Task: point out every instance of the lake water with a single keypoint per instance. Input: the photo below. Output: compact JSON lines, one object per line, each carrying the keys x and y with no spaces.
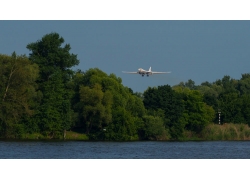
{"x":124,"y":150}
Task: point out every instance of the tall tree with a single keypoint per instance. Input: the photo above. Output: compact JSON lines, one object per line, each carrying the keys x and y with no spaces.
{"x":55,"y":62}
{"x":17,"y":88}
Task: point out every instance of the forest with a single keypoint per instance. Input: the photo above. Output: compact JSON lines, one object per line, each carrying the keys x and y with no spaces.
{"x":43,"y":98}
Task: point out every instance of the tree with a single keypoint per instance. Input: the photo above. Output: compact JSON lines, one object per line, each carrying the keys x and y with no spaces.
{"x":245,"y":109}
{"x":190,"y":84}
{"x":244,"y":84}
{"x":154,"y":128}
{"x":170,"y":102}
{"x":106,"y":104}
{"x":197,"y":115}
{"x":96,"y":108}
{"x":211,"y":93}
{"x":17,"y":90}
{"x":54,"y":61}
{"x":231,"y":107}
{"x":229,"y":85}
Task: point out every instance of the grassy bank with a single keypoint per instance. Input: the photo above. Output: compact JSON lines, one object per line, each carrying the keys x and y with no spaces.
{"x":215,"y":132}
{"x":226,"y":132}
{"x":70,"y":135}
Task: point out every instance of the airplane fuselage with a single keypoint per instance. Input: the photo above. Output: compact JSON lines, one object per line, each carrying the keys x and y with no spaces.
{"x":143,"y":72}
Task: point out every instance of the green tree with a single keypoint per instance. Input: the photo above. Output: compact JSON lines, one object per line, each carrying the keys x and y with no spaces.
{"x":17,"y":90}
{"x":231,"y":105}
{"x":96,"y":108}
{"x":244,"y":84}
{"x":54,"y":61}
{"x":245,"y":108}
{"x":190,"y":84}
{"x":211,"y":93}
{"x":154,"y":128}
{"x":197,"y":115}
{"x":229,"y":85}
{"x":170,"y":102}
{"x":106,"y":109}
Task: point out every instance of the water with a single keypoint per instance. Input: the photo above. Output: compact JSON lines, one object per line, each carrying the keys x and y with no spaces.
{"x":124,"y":150}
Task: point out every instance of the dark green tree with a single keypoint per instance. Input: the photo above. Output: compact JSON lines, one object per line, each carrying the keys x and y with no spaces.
{"x":231,"y":107}
{"x":197,"y":115}
{"x":245,"y":109}
{"x":55,"y":63}
{"x":190,"y":84}
{"x":163,"y":97}
{"x":244,"y":84}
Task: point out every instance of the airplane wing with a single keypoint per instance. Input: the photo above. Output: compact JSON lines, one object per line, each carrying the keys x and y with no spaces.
{"x":130,"y":72}
{"x":154,"y":72}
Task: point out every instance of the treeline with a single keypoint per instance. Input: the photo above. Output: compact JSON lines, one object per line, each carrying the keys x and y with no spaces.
{"x":41,"y":94}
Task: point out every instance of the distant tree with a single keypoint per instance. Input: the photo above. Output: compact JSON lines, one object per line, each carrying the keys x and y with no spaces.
{"x":244,"y":84}
{"x":245,"y":76}
{"x":190,"y":84}
{"x":206,"y":83}
{"x":229,"y":85}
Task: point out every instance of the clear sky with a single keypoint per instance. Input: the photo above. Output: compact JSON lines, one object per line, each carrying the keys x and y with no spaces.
{"x":197,"y":50}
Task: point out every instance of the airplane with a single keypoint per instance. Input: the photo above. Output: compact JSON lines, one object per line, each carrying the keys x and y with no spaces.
{"x":143,"y":72}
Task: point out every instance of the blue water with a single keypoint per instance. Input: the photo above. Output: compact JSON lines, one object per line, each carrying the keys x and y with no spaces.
{"x":124,"y":150}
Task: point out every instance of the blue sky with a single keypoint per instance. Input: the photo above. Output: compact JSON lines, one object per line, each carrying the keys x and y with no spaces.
{"x":197,"y":50}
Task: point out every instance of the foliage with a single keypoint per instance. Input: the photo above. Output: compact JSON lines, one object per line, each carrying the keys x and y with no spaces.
{"x":106,"y":109}
{"x":53,"y":112}
{"x":196,"y":114}
{"x":154,"y":128}
{"x":17,"y":88}
{"x":169,"y":101}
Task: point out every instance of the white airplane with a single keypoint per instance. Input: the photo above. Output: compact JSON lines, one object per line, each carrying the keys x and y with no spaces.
{"x":144,"y":72}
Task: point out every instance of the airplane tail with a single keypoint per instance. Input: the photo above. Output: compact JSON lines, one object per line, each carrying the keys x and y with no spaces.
{"x":149,"y":69}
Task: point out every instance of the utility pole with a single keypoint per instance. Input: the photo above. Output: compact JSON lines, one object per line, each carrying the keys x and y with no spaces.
{"x":219,"y":112}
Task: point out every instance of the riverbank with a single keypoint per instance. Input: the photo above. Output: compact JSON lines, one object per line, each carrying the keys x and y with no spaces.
{"x":213,"y":132}
{"x":224,"y":132}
